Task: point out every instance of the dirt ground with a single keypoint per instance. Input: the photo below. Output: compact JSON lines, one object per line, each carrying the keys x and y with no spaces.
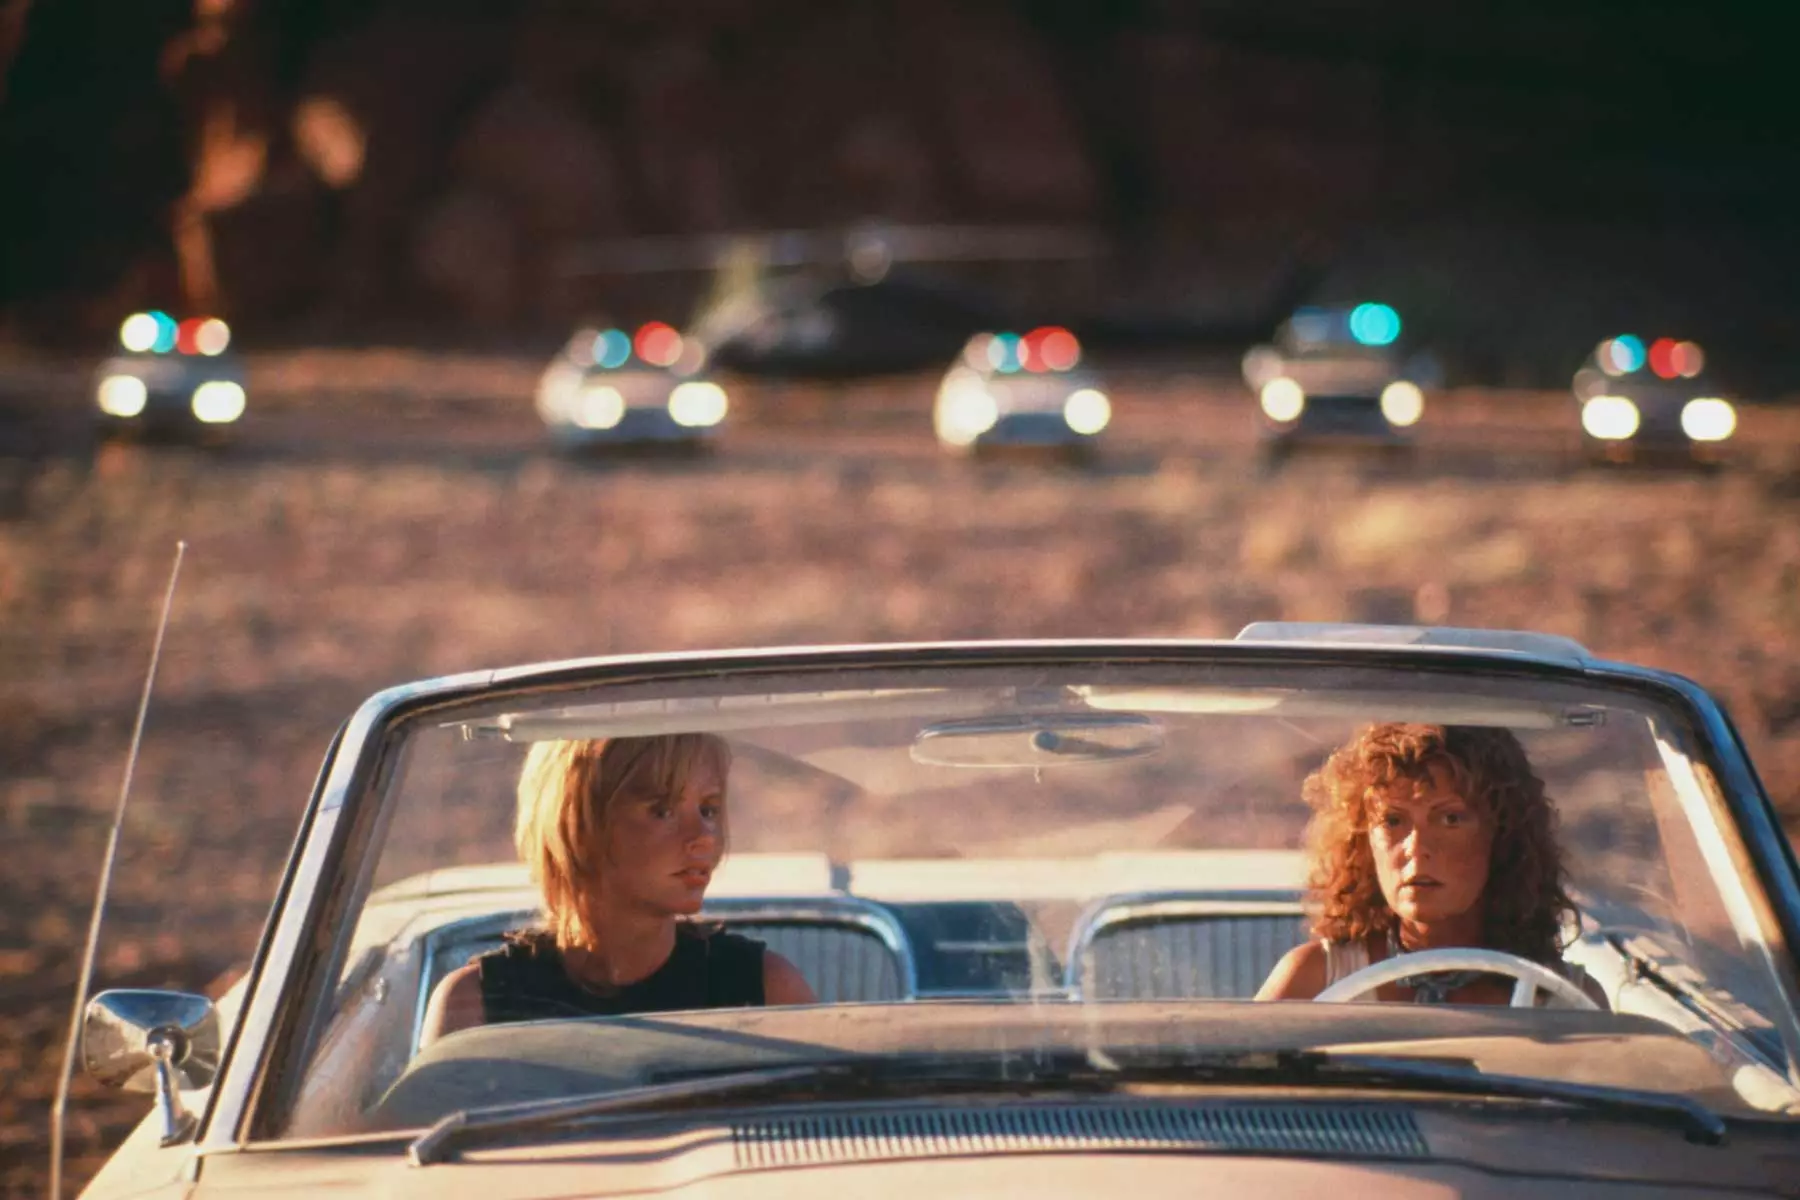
{"x":330,"y":557}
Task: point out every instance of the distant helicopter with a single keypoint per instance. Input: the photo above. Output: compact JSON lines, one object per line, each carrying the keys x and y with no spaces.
{"x":870,"y":299}
{"x":873,"y":298}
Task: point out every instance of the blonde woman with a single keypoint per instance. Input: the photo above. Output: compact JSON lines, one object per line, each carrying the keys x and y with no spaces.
{"x":622,"y":836}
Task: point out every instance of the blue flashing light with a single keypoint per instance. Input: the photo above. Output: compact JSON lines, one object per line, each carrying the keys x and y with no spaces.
{"x":1374,"y":324}
{"x":612,"y":348}
{"x":166,"y":329}
{"x":1003,"y":353}
{"x":1627,"y":353}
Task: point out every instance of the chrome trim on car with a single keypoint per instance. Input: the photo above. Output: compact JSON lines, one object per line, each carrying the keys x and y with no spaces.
{"x":269,"y":1000}
{"x":1748,"y":909}
{"x":433,"y":941}
{"x":819,"y":912}
{"x":160,"y":1042}
{"x":1753,"y":826}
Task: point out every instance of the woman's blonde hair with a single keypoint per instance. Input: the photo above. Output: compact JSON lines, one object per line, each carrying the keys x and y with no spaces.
{"x":566,"y":793}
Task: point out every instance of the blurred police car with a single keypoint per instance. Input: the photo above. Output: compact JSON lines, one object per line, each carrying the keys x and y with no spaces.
{"x":1011,"y":390}
{"x":171,"y":378}
{"x":1651,"y":401}
{"x":608,"y":387}
{"x":1336,"y":374}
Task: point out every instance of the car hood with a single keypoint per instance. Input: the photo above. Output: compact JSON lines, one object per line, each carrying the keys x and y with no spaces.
{"x":1456,"y":1154}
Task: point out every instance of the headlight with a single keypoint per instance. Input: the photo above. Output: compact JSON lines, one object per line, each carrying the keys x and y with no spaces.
{"x":1261,"y":364}
{"x":1283,"y":400}
{"x":965,"y":409}
{"x":1609,"y":418}
{"x":1087,"y":411}
{"x":556,"y":391}
{"x":139,"y":333}
{"x":122,"y":395}
{"x":1708,"y":419}
{"x":218,"y":402}
{"x":212,"y":337}
{"x":1402,"y":403}
{"x":697,"y":404}
{"x":598,"y":408}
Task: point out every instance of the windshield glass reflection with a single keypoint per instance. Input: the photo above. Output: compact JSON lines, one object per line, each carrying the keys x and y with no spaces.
{"x":706,"y":865}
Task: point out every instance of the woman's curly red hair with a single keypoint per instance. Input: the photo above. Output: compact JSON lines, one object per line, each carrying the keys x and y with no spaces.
{"x":1526,"y":898}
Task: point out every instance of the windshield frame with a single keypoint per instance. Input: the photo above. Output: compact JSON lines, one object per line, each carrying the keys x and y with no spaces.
{"x":308,"y":935}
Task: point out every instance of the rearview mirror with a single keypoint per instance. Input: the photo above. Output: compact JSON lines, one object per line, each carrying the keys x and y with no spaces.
{"x":1036,"y":740}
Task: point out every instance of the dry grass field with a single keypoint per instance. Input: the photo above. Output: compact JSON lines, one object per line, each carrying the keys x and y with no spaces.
{"x":374,"y":528}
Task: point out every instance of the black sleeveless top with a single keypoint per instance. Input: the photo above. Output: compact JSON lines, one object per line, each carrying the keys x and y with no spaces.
{"x":525,"y":979}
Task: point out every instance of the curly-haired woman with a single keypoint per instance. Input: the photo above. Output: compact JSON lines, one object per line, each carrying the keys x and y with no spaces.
{"x":1427,"y":837}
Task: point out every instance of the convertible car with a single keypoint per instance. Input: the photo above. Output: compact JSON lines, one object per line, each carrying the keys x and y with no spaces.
{"x":1033,"y":887}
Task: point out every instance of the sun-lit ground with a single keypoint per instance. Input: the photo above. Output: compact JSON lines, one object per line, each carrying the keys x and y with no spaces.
{"x":411,"y":524}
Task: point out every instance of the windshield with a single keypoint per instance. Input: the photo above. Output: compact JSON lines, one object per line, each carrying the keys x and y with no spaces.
{"x":990,"y":858}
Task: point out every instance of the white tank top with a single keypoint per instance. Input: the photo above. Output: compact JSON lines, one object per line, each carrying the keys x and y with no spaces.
{"x":1343,"y":959}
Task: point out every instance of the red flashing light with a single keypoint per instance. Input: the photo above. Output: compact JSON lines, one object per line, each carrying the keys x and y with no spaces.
{"x":1049,"y":349}
{"x":1059,"y":350}
{"x":657,"y":344}
{"x":1688,"y":360}
{"x":1663,"y":358}
{"x":187,"y":335}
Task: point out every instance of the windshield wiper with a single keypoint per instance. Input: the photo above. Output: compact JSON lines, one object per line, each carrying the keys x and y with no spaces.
{"x":1096,"y":1069}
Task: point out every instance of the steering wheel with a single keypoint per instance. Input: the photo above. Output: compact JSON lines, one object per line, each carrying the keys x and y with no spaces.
{"x":1528,"y":976}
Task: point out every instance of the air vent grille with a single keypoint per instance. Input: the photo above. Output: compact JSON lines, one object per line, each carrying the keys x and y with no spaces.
{"x":1363,"y":1131}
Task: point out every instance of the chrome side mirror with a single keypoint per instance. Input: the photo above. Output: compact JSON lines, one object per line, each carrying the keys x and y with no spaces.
{"x":151,"y":1041}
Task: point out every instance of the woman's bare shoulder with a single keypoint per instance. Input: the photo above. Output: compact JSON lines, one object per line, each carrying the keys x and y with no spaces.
{"x":1300,"y":975}
{"x":455,"y":1004}
{"x":783,"y":983}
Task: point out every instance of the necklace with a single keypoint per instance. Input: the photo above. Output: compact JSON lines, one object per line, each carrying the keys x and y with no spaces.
{"x":1433,"y":987}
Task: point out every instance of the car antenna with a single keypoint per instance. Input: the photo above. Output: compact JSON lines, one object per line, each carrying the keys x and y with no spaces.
{"x":58,"y":1110}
